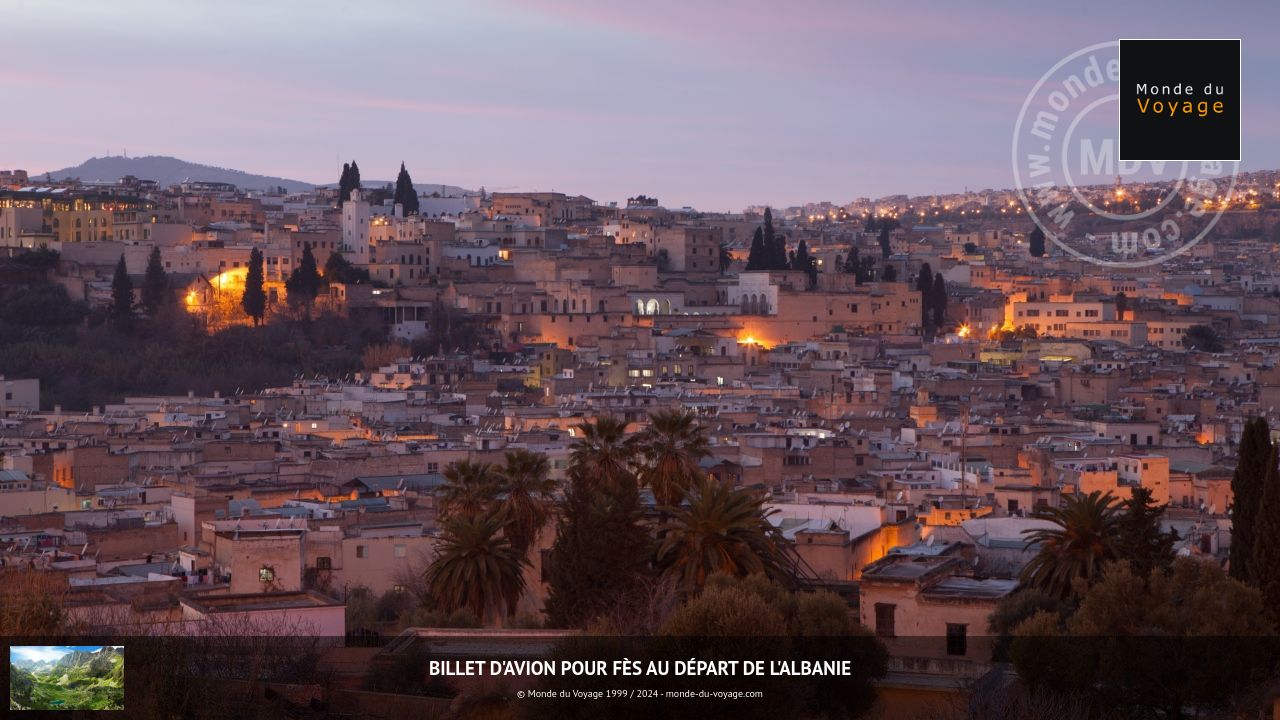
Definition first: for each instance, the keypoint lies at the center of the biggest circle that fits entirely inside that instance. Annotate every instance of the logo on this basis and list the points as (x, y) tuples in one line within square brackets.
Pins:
[(1180, 99), (1085, 199)]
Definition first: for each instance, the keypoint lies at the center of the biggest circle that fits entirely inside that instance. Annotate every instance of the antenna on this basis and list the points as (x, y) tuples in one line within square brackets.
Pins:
[(964, 483)]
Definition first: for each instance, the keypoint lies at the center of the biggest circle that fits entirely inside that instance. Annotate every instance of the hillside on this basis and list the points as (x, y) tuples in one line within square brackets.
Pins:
[(170, 171), (167, 171)]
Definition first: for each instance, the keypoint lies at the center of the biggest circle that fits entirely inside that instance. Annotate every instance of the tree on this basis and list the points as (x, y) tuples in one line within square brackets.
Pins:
[(1122, 302), (889, 274), (1203, 338), (721, 529), (406, 196), (938, 299), (41, 256), (344, 183), (671, 447), (1189, 637), (1266, 541), (924, 285), (602, 555), (155, 284), (254, 300), (970, 249), (802, 261), (349, 181), (775, 246), (337, 269), (476, 567), (1083, 541), (885, 248), (526, 496), (1035, 242), (602, 454), (1140, 540), (756, 258), (469, 488), (756, 617), (304, 283), (121, 307), (1246, 489)]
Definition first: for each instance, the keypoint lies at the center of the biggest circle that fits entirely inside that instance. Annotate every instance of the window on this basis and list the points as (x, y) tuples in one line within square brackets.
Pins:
[(957, 639), (884, 619), (399, 551), (324, 563), (360, 551), (267, 574)]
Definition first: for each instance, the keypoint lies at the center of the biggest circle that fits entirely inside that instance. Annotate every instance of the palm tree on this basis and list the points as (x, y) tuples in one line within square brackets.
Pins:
[(476, 566), (469, 488), (1083, 541), (602, 454), (720, 529), (526, 495), (671, 447)]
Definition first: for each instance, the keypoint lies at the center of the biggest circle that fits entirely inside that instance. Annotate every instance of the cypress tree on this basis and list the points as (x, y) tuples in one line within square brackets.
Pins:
[(304, 282), (889, 274), (344, 183), (1265, 564), (601, 555), (775, 247), (924, 280), (802, 258), (254, 300), (1140, 540), (355, 176), (155, 284), (756, 259), (924, 285), (851, 262), (781, 258), (885, 249), (1246, 488), (1036, 242), (939, 300), (121, 307), (405, 195)]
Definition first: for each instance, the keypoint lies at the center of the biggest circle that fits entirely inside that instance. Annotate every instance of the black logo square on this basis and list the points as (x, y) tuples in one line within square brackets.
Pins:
[(1180, 100)]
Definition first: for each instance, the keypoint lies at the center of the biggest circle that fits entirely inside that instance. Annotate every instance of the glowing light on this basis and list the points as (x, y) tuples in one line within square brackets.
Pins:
[(964, 331)]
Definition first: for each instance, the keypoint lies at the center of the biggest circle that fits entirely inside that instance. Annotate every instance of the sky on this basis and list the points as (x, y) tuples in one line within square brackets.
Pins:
[(707, 103), (43, 653)]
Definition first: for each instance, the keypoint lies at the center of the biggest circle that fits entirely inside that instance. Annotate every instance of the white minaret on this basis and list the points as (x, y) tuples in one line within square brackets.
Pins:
[(355, 228)]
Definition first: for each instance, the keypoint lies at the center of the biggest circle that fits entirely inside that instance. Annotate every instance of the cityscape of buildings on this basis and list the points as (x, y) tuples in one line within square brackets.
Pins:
[(905, 387)]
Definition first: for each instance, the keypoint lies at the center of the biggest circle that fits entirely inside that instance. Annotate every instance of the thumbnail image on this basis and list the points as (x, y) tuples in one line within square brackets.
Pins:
[(66, 677)]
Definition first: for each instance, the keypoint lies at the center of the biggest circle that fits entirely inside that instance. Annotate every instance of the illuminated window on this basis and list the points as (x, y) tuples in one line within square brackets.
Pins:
[(267, 574)]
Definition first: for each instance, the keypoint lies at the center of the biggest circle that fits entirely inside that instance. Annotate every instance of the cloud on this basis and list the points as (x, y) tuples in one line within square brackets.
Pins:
[(39, 653)]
